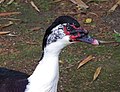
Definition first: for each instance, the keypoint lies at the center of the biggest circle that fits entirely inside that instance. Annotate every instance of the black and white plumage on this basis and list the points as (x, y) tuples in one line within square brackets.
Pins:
[(59, 20), (62, 32)]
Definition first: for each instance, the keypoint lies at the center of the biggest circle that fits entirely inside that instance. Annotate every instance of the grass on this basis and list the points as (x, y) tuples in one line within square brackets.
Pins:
[(107, 57)]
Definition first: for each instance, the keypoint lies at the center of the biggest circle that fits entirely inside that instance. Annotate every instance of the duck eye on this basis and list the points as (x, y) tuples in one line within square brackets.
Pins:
[(69, 28)]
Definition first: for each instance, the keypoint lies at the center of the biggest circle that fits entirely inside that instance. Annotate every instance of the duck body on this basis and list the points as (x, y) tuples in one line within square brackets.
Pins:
[(63, 31)]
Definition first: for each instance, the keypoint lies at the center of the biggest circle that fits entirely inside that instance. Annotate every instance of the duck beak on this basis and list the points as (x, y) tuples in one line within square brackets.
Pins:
[(88, 39)]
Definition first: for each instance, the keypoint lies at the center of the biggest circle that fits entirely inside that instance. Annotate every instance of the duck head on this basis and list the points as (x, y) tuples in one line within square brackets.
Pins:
[(66, 30)]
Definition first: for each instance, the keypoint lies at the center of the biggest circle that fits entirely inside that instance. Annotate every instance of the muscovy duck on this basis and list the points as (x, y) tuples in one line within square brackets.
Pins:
[(62, 32)]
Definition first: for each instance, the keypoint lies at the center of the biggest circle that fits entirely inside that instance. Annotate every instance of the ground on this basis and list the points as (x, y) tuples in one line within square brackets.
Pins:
[(22, 52)]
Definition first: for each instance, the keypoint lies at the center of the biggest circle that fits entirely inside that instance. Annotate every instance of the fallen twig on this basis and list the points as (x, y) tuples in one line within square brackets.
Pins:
[(115, 32), (105, 42), (8, 13), (11, 35), (13, 19), (4, 33), (80, 3), (56, 1), (33, 5), (96, 1), (114, 7), (10, 2), (6, 25)]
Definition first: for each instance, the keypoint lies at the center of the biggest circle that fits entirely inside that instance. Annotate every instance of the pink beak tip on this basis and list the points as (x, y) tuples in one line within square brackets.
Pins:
[(95, 42)]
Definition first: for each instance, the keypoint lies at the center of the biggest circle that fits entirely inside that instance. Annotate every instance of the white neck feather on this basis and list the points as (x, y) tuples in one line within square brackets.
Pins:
[(46, 75)]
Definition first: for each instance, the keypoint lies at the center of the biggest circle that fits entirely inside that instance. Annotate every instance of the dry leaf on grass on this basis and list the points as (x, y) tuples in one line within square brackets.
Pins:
[(90, 57), (80, 3), (96, 1), (10, 2), (97, 73), (106, 42), (114, 7), (1, 1), (33, 5), (8, 13), (12, 19), (6, 25), (56, 1), (116, 32), (4, 33), (11, 35)]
